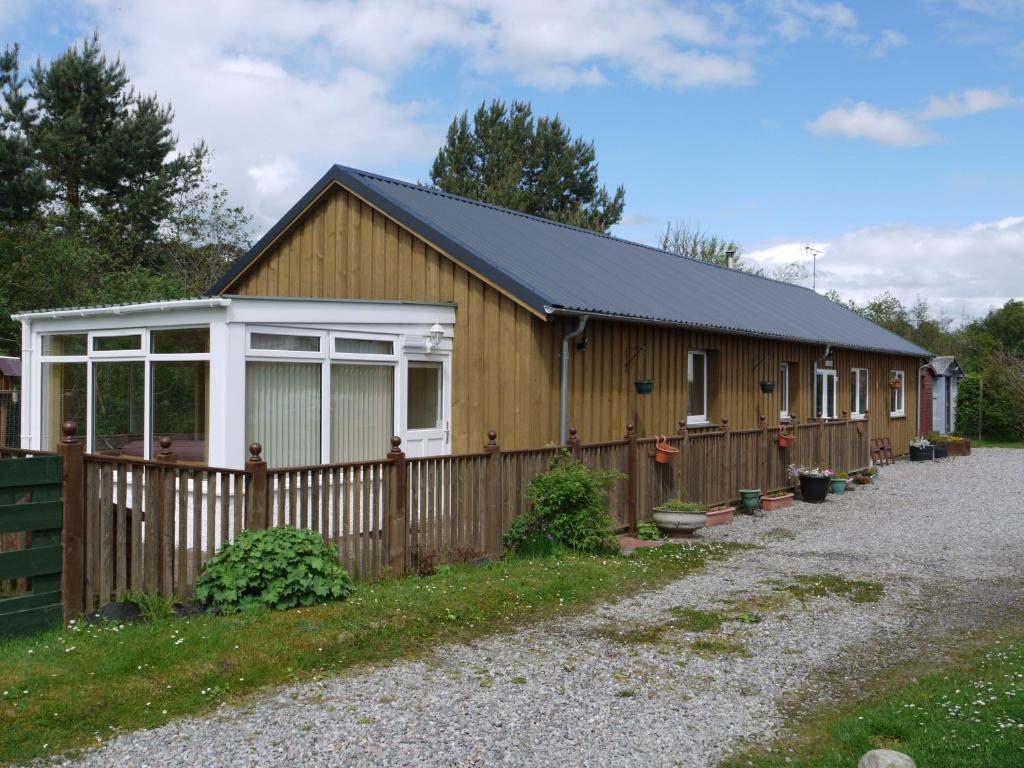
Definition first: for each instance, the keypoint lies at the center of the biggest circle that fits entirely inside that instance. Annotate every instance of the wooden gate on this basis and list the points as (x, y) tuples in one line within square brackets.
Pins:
[(30, 504)]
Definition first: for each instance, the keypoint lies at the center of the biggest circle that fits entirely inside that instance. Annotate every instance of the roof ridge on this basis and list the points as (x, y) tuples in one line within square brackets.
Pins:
[(552, 222)]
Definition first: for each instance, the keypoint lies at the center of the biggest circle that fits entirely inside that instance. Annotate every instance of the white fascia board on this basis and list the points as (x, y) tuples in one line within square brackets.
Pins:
[(123, 309), (377, 316), (182, 314)]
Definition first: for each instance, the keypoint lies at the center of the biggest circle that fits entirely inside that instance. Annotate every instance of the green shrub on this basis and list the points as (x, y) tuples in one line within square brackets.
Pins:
[(279, 568), (648, 531), (678, 505), (152, 605), (569, 509)]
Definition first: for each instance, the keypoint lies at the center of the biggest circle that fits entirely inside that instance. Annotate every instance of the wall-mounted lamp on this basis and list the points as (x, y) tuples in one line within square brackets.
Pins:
[(434, 336), (829, 359)]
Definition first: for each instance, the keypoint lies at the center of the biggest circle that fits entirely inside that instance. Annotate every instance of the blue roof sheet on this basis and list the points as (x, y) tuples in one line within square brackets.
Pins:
[(551, 267)]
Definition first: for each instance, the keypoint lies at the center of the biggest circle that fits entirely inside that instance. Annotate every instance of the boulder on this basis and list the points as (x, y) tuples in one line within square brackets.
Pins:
[(885, 758)]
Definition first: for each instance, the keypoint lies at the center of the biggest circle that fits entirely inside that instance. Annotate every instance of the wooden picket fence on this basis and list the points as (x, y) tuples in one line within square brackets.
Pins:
[(132, 524)]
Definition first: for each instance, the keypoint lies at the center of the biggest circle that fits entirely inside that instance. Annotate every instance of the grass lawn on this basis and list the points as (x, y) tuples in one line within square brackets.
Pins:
[(996, 444), (967, 712), (75, 688)]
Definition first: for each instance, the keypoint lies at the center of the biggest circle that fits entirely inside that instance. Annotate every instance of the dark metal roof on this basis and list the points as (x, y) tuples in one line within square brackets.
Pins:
[(946, 365), (553, 267)]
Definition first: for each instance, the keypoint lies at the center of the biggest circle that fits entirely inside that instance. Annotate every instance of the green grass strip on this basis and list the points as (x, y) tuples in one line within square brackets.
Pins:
[(75, 688)]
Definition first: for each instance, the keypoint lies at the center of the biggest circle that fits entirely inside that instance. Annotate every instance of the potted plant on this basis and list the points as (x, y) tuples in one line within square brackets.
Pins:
[(814, 482), (750, 498), (839, 483), (720, 515), (767, 387), (958, 446), (644, 386), (895, 382), (681, 516), (921, 449), (941, 444), (776, 500), (785, 437), (873, 472)]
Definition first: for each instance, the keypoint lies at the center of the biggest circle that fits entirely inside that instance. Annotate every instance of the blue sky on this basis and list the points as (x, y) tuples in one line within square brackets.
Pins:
[(887, 134)]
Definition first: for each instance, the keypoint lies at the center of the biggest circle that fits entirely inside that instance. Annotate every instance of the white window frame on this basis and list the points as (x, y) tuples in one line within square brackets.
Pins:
[(829, 374), (902, 410), (360, 356), (784, 392), (855, 391), (697, 418), (253, 353)]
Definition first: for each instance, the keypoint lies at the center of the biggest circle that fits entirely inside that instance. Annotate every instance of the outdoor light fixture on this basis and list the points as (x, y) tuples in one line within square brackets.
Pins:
[(828, 358), (434, 336)]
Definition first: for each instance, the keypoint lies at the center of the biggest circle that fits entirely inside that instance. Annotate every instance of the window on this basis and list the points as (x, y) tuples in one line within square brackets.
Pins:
[(180, 403), (118, 409), (180, 341), (423, 402), (825, 393), (64, 345), (697, 388), (63, 399), (858, 392), (347, 346), (362, 411), (282, 404), (896, 393), (127, 343), (784, 391), (284, 342)]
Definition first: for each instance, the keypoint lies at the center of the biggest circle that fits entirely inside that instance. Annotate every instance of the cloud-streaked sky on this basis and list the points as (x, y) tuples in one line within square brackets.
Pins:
[(886, 133)]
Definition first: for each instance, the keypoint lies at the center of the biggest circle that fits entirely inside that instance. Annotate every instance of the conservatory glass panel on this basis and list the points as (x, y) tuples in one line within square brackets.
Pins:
[(180, 401), (284, 342), (180, 341), (63, 399), (282, 404), (130, 343), (64, 344), (362, 411), (364, 346), (118, 393)]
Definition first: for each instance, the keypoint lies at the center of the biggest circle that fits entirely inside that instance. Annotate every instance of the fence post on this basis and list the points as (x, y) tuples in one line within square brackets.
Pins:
[(493, 532), (573, 443), (762, 456), (72, 523), (397, 510), (165, 519), (726, 461), (632, 478), (256, 468)]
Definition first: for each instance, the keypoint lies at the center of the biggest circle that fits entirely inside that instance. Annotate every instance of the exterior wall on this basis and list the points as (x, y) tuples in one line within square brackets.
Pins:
[(506, 367), (927, 393)]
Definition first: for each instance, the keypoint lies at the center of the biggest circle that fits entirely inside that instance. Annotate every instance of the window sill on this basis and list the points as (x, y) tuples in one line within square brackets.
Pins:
[(700, 424), (897, 415), (857, 417)]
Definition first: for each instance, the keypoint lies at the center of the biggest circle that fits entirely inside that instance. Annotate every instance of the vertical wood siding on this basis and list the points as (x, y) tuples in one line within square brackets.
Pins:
[(506, 361)]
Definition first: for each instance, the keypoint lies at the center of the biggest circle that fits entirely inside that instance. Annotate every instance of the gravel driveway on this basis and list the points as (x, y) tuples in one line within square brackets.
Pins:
[(623, 685)]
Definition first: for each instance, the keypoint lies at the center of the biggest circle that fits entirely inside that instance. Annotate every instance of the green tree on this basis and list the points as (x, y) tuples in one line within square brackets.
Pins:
[(22, 185), (683, 240), (507, 157)]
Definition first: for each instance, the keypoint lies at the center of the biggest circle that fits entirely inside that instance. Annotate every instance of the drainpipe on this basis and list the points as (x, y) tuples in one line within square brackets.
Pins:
[(919, 372), (564, 432)]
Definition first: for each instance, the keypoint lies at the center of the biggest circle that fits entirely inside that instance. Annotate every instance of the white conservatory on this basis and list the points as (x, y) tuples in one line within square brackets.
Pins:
[(314, 381)]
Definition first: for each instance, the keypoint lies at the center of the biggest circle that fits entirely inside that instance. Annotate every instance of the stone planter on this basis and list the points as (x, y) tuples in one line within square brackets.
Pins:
[(680, 522), (769, 504), (959, 448), (814, 489), (922, 454), (720, 516)]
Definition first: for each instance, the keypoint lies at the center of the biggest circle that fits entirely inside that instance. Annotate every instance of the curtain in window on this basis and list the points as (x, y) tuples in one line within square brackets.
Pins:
[(283, 412), (362, 411)]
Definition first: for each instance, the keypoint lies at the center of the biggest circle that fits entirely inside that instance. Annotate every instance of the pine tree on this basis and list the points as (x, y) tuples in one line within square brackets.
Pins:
[(22, 185), (508, 158)]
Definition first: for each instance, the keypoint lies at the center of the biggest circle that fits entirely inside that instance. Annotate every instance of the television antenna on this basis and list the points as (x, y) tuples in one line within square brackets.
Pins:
[(815, 253)]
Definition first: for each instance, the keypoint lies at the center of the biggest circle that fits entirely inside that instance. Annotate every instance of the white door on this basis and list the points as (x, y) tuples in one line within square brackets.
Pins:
[(427, 412), (939, 406)]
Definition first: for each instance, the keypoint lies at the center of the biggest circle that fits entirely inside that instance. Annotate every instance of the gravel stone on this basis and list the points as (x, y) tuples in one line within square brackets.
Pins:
[(943, 537)]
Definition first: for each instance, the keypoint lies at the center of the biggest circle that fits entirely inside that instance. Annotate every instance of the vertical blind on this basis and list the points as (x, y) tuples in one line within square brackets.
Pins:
[(362, 411), (283, 412)]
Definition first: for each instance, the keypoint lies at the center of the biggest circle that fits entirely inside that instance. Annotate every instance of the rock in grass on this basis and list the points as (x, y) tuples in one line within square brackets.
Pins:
[(885, 758)]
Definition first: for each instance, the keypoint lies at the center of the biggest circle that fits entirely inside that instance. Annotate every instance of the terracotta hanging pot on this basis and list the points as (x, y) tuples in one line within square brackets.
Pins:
[(663, 452)]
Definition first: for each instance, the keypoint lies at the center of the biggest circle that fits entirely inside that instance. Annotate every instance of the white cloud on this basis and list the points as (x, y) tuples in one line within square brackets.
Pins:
[(970, 269), (866, 121), (969, 102), (888, 40), (796, 19)]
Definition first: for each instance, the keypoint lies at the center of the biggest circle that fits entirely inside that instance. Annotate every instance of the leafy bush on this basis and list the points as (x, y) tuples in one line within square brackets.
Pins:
[(569, 509), (279, 568), (648, 531), (152, 605), (678, 505)]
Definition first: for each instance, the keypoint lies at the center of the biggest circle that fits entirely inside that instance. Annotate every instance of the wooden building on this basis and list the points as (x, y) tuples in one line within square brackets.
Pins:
[(378, 307)]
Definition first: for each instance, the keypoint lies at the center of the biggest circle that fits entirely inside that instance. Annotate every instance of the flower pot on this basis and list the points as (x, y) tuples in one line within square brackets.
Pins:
[(720, 516), (941, 450), (769, 503), (680, 522), (922, 454), (663, 452), (785, 440), (814, 489), (897, 384), (750, 498), (838, 485), (644, 386), (767, 387)]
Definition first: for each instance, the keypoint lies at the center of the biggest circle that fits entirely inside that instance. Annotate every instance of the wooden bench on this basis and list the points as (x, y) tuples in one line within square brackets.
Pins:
[(881, 451)]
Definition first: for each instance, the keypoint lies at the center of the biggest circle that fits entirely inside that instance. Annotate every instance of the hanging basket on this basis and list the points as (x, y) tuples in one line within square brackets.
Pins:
[(785, 440), (895, 384), (644, 386), (767, 387), (663, 452)]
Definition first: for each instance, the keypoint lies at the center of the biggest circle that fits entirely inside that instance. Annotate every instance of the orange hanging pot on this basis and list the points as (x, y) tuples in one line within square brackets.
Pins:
[(785, 440), (663, 452)]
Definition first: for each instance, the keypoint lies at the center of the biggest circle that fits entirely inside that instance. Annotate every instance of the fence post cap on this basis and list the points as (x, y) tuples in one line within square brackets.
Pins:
[(572, 433), (255, 449), (165, 444), (630, 429), (396, 442), (492, 438), (69, 428)]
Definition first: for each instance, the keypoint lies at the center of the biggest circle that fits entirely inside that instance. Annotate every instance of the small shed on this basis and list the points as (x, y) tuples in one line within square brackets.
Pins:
[(940, 383)]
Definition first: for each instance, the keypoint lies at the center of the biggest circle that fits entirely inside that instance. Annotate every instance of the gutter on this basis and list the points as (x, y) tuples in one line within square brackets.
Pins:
[(121, 309), (564, 431)]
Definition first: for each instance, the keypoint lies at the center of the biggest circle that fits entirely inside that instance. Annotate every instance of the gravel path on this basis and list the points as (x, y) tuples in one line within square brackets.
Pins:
[(944, 538)]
